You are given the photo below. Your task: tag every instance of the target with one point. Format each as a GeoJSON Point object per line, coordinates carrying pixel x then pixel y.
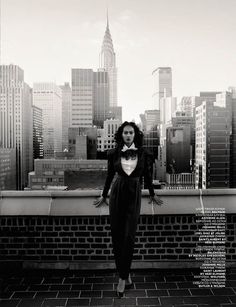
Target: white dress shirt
{"type": "Point", "coordinates": [129, 165]}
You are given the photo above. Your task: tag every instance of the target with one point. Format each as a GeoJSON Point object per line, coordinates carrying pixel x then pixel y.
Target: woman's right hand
{"type": "Point", "coordinates": [101, 200]}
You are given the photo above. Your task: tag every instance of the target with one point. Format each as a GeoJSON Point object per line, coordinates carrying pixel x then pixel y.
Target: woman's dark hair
{"type": "Point", "coordinates": [138, 137]}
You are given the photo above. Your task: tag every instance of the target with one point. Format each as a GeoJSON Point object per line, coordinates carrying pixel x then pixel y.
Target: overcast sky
{"type": "Point", "coordinates": [195, 37]}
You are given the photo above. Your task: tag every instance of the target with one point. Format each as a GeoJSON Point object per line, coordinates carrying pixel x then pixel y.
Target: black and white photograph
{"type": "Point", "coordinates": [118, 153]}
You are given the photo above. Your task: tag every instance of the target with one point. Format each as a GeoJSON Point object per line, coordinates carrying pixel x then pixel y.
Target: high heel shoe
{"type": "Point", "coordinates": [129, 284]}
{"type": "Point", "coordinates": [118, 292]}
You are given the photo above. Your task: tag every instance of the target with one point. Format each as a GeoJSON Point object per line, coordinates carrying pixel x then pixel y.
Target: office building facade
{"type": "Point", "coordinates": [178, 150]}
{"type": "Point", "coordinates": [83, 142]}
{"type": "Point", "coordinates": [213, 144]}
{"type": "Point", "coordinates": [16, 120]}
{"type": "Point", "coordinates": [7, 169]}
{"type": "Point", "coordinates": [232, 90]}
{"type": "Point", "coordinates": [82, 98]}
{"type": "Point", "coordinates": [162, 77]}
{"type": "Point", "coordinates": [37, 133]}
{"type": "Point", "coordinates": [48, 97]}
{"type": "Point", "coordinates": [100, 98]}
{"type": "Point", "coordinates": [66, 112]}
{"type": "Point", "coordinates": [105, 138]}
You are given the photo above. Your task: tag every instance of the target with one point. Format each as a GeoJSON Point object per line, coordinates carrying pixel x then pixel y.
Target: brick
{"type": "Point", "coordinates": [186, 284]}
{"type": "Point", "coordinates": [30, 303]}
{"type": "Point", "coordinates": [101, 301]}
{"type": "Point", "coordinates": [102, 286]}
{"type": "Point", "coordinates": [77, 302]}
{"type": "Point", "coordinates": [9, 303]}
{"type": "Point", "coordinates": [107, 293]}
{"type": "Point", "coordinates": [91, 293]}
{"type": "Point", "coordinates": [124, 301]}
{"type": "Point", "coordinates": [214, 300]}
{"type": "Point", "coordinates": [98, 258]}
{"type": "Point", "coordinates": [53, 302]}
{"type": "Point", "coordinates": [81, 257]}
{"type": "Point", "coordinates": [23, 294]}
{"type": "Point", "coordinates": [186, 233]}
{"type": "Point", "coordinates": [201, 292]}
{"type": "Point", "coordinates": [135, 293]}
{"type": "Point", "coordinates": [60, 287]}
{"type": "Point", "coordinates": [179, 292]}
{"type": "Point", "coordinates": [163, 285]}
{"type": "Point", "coordinates": [170, 245]}
{"type": "Point", "coordinates": [170, 257]}
{"type": "Point", "coordinates": [168, 233]}
{"type": "Point", "coordinates": [13, 288]}
{"type": "Point", "coordinates": [5, 295]}
{"type": "Point", "coordinates": [38, 288]}
{"type": "Point", "coordinates": [154, 278]}
{"type": "Point", "coordinates": [174, 278]}
{"type": "Point", "coordinates": [172, 300]}
{"type": "Point", "coordinates": [49, 258]}
{"type": "Point", "coordinates": [46, 294]}
{"type": "Point", "coordinates": [223, 291]}
{"type": "Point", "coordinates": [187, 245]}
{"type": "Point", "coordinates": [73, 280]}
{"type": "Point", "coordinates": [157, 293]}
{"type": "Point", "coordinates": [99, 234]}
{"type": "Point", "coordinates": [149, 301]}
{"type": "Point", "coordinates": [147, 285]}
{"type": "Point", "coordinates": [65, 294]}
{"type": "Point", "coordinates": [53, 280]}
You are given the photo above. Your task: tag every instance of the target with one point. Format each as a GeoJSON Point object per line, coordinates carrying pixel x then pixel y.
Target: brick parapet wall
{"type": "Point", "coordinates": [163, 238]}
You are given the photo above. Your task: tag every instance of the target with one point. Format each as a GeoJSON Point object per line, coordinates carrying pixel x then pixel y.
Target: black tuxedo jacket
{"type": "Point", "coordinates": [143, 168]}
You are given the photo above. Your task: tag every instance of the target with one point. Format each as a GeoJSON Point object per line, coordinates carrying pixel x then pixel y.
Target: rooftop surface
{"type": "Point", "coordinates": [158, 287]}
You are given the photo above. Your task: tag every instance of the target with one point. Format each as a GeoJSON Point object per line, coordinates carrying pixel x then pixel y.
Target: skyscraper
{"type": "Point", "coordinates": [108, 63]}
{"type": "Point", "coordinates": [162, 84]}
{"type": "Point", "coordinates": [16, 127]}
{"type": "Point", "coordinates": [168, 107]}
{"type": "Point", "coordinates": [178, 149]}
{"type": "Point", "coordinates": [182, 120]}
{"type": "Point", "coordinates": [150, 119]}
{"type": "Point", "coordinates": [208, 96]}
{"type": "Point", "coordinates": [213, 137]}
{"type": "Point", "coordinates": [37, 133]}
{"type": "Point", "coordinates": [232, 90]}
{"type": "Point", "coordinates": [66, 112]}
{"type": "Point", "coordinates": [105, 140]}
{"type": "Point", "coordinates": [82, 97]}
{"type": "Point", "coordinates": [7, 169]}
{"type": "Point", "coordinates": [189, 103]}
{"type": "Point", "coordinates": [100, 98]}
{"type": "Point", "coordinates": [47, 96]}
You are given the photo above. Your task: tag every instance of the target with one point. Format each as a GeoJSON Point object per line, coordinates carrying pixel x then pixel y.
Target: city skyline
{"type": "Point", "coordinates": [162, 33]}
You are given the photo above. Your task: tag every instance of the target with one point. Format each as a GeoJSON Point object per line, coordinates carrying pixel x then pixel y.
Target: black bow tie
{"type": "Point", "coordinates": [129, 153]}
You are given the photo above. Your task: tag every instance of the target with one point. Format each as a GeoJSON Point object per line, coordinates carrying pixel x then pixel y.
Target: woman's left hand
{"type": "Point", "coordinates": [155, 200]}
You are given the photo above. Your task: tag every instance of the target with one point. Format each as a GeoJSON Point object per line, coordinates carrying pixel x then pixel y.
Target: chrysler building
{"type": "Point", "coordinates": [108, 63]}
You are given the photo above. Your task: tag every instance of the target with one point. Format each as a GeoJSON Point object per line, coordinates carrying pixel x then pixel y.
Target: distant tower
{"type": "Point", "coordinates": [66, 113]}
{"type": "Point", "coordinates": [108, 63]}
{"type": "Point", "coordinates": [48, 97]}
{"type": "Point", "coordinates": [162, 84]}
{"type": "Point", "coordinates": [16, 124]}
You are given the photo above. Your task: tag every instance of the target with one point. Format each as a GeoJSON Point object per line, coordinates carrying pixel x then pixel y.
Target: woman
{"type": "Point", "coordinates": [131, 161]}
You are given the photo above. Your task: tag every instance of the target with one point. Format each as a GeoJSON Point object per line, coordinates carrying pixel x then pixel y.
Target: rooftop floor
{"type": "Point", "coordinates": [157, 287]}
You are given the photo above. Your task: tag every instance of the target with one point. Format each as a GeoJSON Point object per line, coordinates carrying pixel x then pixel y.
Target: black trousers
{"type": "Point", "coordinates": [124, 204]}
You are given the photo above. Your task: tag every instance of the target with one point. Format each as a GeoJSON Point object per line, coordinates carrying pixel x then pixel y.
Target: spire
{"type": "Point", "coordinates": [107, 55]}
{"type": "Point", "coordinates": [107, 20]}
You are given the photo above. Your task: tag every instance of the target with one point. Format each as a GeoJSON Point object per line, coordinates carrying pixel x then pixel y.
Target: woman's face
{"type": "Point", "coordinates": [128, 135]}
